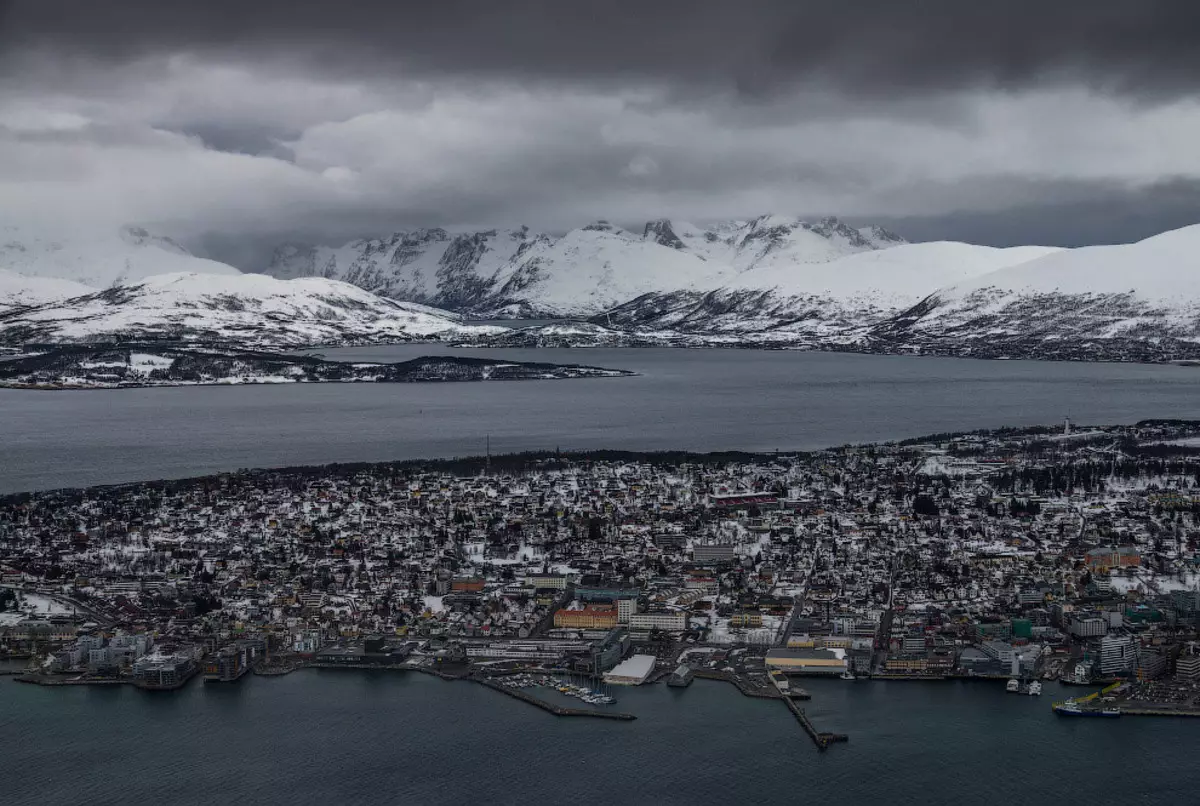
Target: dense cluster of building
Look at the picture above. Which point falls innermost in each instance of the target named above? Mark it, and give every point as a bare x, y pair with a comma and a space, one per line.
1036, 552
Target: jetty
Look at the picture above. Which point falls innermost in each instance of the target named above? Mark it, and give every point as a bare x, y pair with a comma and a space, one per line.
557, 710
821, 739
764, 692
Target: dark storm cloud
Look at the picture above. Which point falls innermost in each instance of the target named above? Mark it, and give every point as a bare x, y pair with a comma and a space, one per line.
236, 125
877, 47
1082, 215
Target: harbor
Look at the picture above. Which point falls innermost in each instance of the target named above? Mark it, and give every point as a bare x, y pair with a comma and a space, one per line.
351, 719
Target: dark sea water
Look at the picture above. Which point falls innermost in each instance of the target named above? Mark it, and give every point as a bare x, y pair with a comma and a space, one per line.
684, 399
347, 737
333, 738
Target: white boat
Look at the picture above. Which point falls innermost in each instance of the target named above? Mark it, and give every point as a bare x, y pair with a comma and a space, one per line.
1014, 685
847, 675
1035, 688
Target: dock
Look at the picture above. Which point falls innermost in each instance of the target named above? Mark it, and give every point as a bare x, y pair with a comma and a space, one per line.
820, 739
766, 692
553, 709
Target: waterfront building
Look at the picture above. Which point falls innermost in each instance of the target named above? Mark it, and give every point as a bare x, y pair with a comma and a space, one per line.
1000, 651
163, 671
607, 652
1118, 654
227, 664
1151, 664
632, 671
1187, 665
807, 661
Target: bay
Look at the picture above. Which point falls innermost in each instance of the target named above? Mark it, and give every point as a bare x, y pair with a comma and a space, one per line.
321, 737
699, 400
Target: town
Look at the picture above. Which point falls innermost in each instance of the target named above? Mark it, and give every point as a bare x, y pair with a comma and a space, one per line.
1011, 557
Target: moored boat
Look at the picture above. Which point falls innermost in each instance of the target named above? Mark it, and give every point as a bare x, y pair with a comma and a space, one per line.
1072, 708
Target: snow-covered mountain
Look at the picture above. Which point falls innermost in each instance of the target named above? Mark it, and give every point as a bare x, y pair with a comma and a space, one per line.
99, 257
246, 310
456, 271
1139, 300
819, 298
17, 290
588, 270
769, 240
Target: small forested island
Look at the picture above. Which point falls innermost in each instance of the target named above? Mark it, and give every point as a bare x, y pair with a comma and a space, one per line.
146, 364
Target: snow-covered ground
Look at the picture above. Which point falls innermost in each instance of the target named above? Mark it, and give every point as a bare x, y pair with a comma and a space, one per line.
98, 258
1097, 292
18, 290
250, 309
1151, 582
35, 604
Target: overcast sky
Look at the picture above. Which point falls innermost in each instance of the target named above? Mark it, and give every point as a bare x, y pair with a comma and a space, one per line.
235, 125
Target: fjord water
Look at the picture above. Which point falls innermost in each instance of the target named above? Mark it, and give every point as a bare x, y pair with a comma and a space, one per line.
698, 400
328, 737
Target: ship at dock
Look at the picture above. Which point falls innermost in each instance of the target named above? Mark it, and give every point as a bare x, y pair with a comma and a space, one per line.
1073, 708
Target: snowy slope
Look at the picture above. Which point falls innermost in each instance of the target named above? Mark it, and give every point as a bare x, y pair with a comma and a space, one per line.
770, 240
17, 290
1121, 297
98, 258
245, 310
822, 298
594, 268
451, 270
518, 273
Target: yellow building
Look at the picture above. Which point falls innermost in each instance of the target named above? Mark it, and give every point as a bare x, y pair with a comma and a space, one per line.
591, 617
807, 661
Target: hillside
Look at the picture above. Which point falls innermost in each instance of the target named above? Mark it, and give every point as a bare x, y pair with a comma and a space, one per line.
819, 299
516, 273
149, 364
248, 310
98, 258
1124, 301
18, 291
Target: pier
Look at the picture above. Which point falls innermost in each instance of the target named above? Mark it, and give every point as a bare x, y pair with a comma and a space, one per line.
553, 709
764, 692
820, 739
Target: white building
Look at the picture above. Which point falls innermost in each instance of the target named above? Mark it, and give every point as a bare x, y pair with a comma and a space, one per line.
631, 672
547, 581
1118, 654
625, 609
665, 620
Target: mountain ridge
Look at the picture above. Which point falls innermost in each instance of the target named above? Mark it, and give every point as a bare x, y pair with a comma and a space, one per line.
499, 273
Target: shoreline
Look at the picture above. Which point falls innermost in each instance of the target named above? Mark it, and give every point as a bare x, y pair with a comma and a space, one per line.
298, 382
500, 461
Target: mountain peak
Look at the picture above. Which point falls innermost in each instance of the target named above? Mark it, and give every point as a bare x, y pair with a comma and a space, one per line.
139, 236
661, 232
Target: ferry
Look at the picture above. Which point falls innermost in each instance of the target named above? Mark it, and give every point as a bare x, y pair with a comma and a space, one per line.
1071, 708
1014, 685
1035, 688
